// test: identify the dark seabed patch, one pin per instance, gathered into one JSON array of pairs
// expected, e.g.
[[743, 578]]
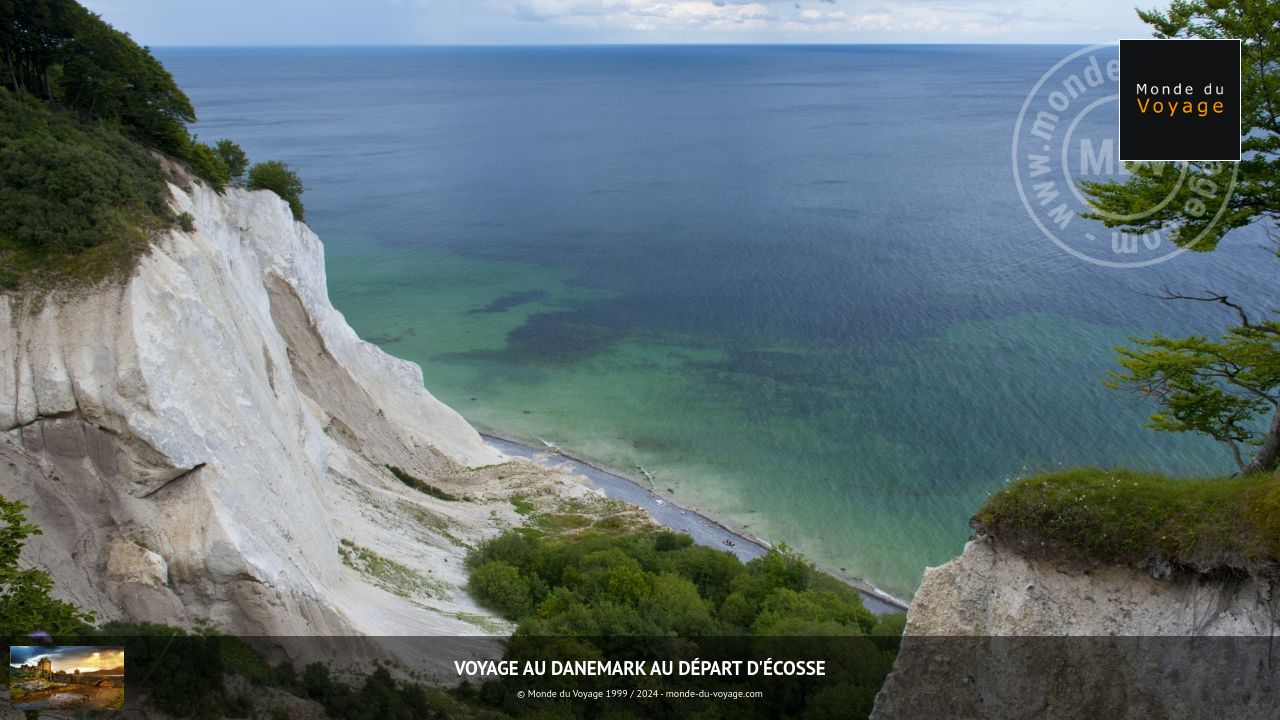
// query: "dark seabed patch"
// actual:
[[510, 300]]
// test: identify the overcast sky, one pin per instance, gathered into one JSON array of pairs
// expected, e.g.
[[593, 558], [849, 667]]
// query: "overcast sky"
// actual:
[[410, 22]]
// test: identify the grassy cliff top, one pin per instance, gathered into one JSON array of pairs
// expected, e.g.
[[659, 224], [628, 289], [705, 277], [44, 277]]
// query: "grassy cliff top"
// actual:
[[1166, 526]]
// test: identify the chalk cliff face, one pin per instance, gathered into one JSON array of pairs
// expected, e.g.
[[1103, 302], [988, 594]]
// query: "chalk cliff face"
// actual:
[[990, 590], [994, 634], [209, 441]]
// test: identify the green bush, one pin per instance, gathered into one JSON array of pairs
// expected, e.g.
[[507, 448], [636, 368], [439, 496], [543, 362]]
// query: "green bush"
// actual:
[[657, 583], [499, 585], [276, 176], [655, 595], [233, 159], [69, 186], [82, 194], [208, 164], [511, 547], [673, 602]]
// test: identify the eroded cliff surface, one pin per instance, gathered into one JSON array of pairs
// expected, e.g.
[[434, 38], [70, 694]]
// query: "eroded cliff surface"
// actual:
[[209, 441], [994, 634]]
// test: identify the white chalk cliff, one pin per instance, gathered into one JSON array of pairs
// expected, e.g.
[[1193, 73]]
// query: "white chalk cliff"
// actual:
[[198, 441], [995, 634], [993, 590]]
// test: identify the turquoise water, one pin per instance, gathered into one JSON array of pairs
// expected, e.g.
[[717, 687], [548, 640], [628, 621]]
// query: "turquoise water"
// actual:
[[795, 284]]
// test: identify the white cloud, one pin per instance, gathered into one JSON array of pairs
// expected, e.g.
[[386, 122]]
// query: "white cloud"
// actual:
[[919, 18], [686, 14], [338, 22]]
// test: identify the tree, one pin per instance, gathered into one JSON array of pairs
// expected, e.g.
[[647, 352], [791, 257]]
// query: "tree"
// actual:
[[73, 59], [812, 613], [674, 603], [627, 585], [276, 176], [233, 158], [25, 604], [207, 163], [500, 586], [32, 32], [1222, 388]]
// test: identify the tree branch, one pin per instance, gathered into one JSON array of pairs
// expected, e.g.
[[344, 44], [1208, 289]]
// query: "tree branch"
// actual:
[[1209, 296]]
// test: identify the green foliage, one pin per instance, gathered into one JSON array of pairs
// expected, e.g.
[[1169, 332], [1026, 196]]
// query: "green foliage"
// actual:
[[380, 696], [68, 186], [184, 672], [655, 595], [233, 159], [673, 602], [276, 176], [25, 602], [1087, 516], [890, 624], [811, 612], [502, 587], [82, 103], [32, 35], [389, 574], [105, 75], [1263, 510], [1220, 388], [522, 505], [655, 584], [421, 485], [208, 164], [70, 56]]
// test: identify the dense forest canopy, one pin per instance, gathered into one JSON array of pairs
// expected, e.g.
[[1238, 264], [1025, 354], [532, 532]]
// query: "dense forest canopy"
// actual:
[[83, 111], [61, 52], [658, 596]]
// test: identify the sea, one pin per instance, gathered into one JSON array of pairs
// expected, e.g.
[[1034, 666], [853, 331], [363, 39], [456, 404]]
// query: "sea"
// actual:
[[796, 286]]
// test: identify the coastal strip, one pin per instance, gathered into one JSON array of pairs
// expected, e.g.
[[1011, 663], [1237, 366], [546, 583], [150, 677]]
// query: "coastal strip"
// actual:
[[703, 529]]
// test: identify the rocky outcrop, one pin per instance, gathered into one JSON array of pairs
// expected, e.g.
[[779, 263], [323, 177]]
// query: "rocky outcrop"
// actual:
[[994, 634], [208, 441]]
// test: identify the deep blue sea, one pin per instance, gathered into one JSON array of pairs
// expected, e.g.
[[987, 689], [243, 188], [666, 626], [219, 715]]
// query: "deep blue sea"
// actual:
[[794, 284]]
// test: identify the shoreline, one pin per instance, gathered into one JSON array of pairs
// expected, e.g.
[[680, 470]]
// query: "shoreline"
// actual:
[[703, 528]]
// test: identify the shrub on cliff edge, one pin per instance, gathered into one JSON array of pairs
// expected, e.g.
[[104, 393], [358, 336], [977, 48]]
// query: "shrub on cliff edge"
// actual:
[[76, 199], [1090, 516], [276, 176]]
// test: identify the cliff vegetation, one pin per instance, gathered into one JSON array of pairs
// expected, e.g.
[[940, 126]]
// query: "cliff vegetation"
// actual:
[[1165, 526], [85, 116], [657, 596]]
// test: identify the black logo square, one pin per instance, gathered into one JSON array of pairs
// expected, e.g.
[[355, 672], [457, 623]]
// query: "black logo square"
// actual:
[[1179, 100]]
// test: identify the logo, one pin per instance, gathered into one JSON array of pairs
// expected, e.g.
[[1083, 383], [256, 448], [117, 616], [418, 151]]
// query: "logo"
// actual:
[[1068, 133], [1180, 99]]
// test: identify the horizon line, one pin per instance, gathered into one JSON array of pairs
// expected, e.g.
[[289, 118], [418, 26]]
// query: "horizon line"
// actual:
[[301, 46]]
